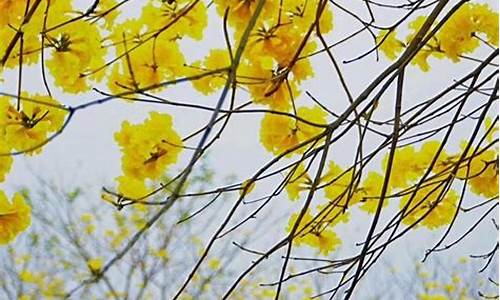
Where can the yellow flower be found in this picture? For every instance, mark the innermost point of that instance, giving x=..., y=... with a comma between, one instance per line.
x=483, y=173
x=240, y=12
x=481, y=170
x=144, y=63
x=15, y=217
x=426, y=203
x=486, y=21
x=27, y=276
x=11, y=18
x=298, y=182
x=431, y=48
x=457, y=36
x=117, y=238
x=214, y=264
x=157, y=15
x=131, y=187
x=10, y=11
x=267, y=84
x=302, y=70
x=162, y=254
x=408, y=165
x=371, y=191
x=77, y=49
x=449, y=288
x=487, y=124
x=431, y=285
x=95, y=265
x=315, y=235
x=391, y=46
x=148, y=148
x=6, y=160
x=30, y=126
x=53, y=288
x=303, y=15
x=277, y=43
x=279, y=133
x=87, y=218
x=110, y=16
x=217, y=59
x=338, y=182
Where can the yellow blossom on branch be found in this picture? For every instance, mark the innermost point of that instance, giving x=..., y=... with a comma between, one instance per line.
x=279, y=133
x=299, y=181
x=148, y=148
x=15, y=217
x=390, y=46
x=31, y=125
x=76, y=49
x=315, y=235
x=436, y=206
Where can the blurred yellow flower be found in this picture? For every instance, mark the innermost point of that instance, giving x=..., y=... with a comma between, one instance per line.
x=95, y=265
x=15, y=217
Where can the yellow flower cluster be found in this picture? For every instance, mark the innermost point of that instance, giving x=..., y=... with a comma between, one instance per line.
x=5, y=161
x=76, y=45
x=458, y=36
x=337, y=183
x=299, y=180
x=274, y=63
x=279, y=133
x=15, y=217
x=431, y=203
x=151, y=63
x=180, y=18
x=389, y=44
x=41, y=284
x=453, y=288
x=76, y=50
x=148, y=46
x=339, y=189
x=216, y=59
x=315, y=234
x=30, y=126
x=319, y=233
x=119, y=233
x=88, y=220
x=371, y=191
x=147, y=149
x=11, y=18
x=24, y=130
x=484, y=173
x=481, y=172
x=462, y=34
x=409, y=164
